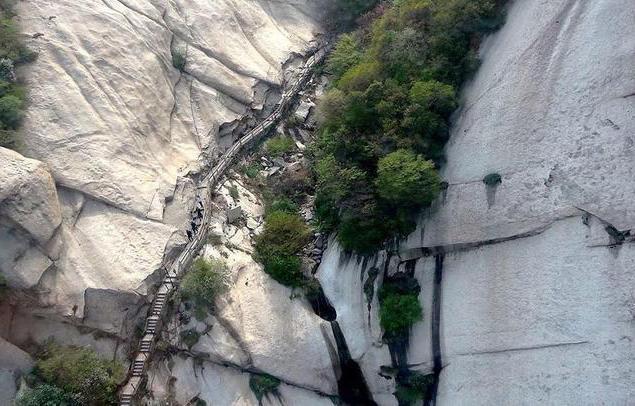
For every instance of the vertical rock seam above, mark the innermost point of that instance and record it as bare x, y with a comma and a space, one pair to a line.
435, 326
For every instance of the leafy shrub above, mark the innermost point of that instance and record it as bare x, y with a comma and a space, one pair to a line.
233, 192
81, 373
190, 337
395, 82
399, 306
45, 395
214, 239
278, 246
10, 111
205, 281
399, 312
404, 178
262, 385
492, 179
252, 171
346, 54
8, 139
3, 286
414, 388
179, 59
283, 204
279, 145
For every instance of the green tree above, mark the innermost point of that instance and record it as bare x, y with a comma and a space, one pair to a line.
262, 385
81, 373
404, 178
45, 395
10, 112
346, 54
205, 281
277, 247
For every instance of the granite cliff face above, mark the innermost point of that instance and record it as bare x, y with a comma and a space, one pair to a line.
526, 285
114, 135
535, 300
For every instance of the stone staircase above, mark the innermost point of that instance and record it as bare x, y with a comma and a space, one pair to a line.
173, 272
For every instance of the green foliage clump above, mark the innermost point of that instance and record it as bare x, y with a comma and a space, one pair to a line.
399, 306
190, 337
205, 281
343, 13
262, 385
252, 170
80, 373
492, 179
12, 95
179, 59
384, 123
283, 204
278, 246
279, 145
3, 286
414, 388
406, 179
45, 395
233, 192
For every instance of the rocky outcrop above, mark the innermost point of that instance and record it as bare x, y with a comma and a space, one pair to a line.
116, 136
13, 362
258, 326
535, 296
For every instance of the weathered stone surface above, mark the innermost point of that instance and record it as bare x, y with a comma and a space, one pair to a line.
343, 278
120, 128
28, 196
551, 110
13, 363
219, 385
541, 320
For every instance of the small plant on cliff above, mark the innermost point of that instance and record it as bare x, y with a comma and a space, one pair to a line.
262, 385
399, 306
83, 375
284, 236
190, 337
413, 388
45, 395
12, 95
279, 145
3, 286
179, 59
205, 281
233, 192
492, 179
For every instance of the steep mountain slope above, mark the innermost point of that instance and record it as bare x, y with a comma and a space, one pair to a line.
128, 102
533, 301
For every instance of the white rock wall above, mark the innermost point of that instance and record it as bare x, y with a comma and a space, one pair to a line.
537, 300
113, 129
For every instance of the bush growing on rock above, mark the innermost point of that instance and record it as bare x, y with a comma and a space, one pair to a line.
413, 388
190, 337
399, 306
205, 281
12, 95
406, 179
84, 376
492, 179
387, 117
279, 145
283, 238
3, 286
179, 59
262, 385
45, 395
